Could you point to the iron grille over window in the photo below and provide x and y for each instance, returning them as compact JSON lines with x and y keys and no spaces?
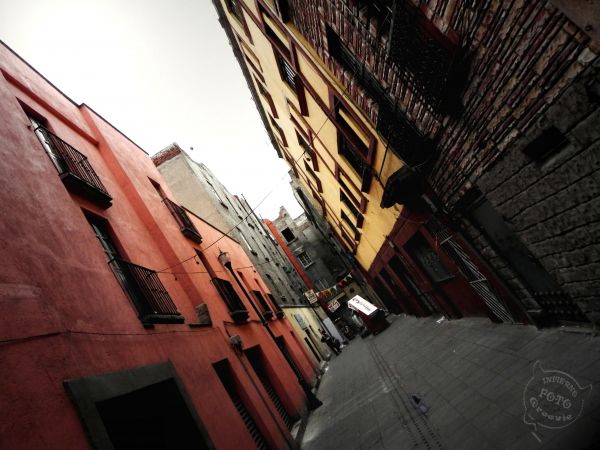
{"x":74,"y":168}
{"x":405,"y":140}
{"x":265,"y":310}
{"x":355,"y":161}
{"x":287,"y":72}
{"x":145,"y":289}
{"x":186,"y":226}
{"x":423,"y":54}
{"x":237,"y":310}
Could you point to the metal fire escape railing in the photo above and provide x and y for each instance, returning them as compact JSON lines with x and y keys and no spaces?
{"x":406,"y":43}
{"x":183,"y":220}
{"x":69,"y":161}
{"x":146,"y":291}
{"x":403,"y":137}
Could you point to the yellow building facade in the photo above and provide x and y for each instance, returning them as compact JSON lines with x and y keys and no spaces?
{"x":327,"y":140}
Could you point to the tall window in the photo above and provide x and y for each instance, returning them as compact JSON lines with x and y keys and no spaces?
{"x":141,"y":285}
{"x":287,"y":72}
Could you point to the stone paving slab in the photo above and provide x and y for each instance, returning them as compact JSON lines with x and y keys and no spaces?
{"x":471,"y":373}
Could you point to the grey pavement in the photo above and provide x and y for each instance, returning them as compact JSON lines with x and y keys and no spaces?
{"x":473,"y":378}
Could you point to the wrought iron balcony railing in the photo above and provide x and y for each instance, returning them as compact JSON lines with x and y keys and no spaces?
{"x":142,"y":285}
{"x":74,"y":168}
{"x":413,"y":48}
{"x":237,"y":309}
{"x":186,"y":226}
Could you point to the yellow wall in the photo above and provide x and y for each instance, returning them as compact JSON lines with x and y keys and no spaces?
{"x":378,"y":222}
{"x":308,"y":316}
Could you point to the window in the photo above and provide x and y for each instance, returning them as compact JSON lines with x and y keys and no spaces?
{"x":314,"y":176}
{"x":235,"y":8}
{"x":76,"y":172}
{"x":550,"y":142}
{"x":267,"y":378}
{"x":288,"y":235}
{"x":237,"y":310}
{"x":264,"y":306}
{"x":279,"y":131}
{"x":145,"y":407}
{"x":287,"y":72}
{"x":232,"y":386}
{"x":304,"y":259}
{"x":142,"y":285}
{"x":186,"y":226}
{"x":263,"y":91}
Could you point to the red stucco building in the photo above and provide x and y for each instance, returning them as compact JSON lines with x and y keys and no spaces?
{"x":118,"y":317}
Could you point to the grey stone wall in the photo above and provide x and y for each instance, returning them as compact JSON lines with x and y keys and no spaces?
{"x":554,"y":207}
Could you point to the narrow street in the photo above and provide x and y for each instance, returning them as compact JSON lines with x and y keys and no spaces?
{"x":471,"y":376}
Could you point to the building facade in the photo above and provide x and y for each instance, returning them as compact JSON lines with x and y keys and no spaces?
{"x":123,"y":324}
{"x":196,"y":187}
{"x":450,"y":145}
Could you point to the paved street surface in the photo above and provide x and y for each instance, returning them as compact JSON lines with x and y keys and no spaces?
{"x":471,"y":376}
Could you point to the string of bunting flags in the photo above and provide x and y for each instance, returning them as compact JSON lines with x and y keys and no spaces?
{"x":335,"y":289}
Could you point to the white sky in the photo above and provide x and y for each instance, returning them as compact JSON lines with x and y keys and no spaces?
{"x":160,"y":71}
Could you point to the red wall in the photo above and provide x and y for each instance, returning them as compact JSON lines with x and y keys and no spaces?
{"x":63,"y":313}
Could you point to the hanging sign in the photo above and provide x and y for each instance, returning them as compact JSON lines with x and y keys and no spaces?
{"x":359,"y":304}
{"x":311,"y":296}
{"x":333,"y":305}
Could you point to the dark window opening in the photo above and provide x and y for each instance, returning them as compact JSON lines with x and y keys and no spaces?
{"x":279,"y":131}
{"x":550,"y":142}
{"x":264,"y":306}
{"x":288,"y":235}
{"x":287,"y":72}
{"x":236,"y":307}
{"x":232,"y":387}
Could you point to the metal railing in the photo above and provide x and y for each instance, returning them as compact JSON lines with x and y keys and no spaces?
{"x":183,"y":220}
{"x":413,"y":48}
{"x":144,"y":288}
{"x":70,"y":161}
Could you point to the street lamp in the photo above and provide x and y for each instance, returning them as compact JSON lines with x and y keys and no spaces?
{"x":312,"y":402}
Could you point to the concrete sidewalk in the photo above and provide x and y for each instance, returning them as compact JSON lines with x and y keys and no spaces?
{"x":471,"y":375}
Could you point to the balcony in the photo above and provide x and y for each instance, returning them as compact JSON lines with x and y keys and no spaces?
{"x":74,"y":169}
{"x":237,"y":310}
{"x":188,"y":229}
{"x":146,"y":291}
{"x":407,"y":46}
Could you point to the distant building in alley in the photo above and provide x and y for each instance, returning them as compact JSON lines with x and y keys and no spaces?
{"x":197,"y":188}
{"x":123,"y":324}
{"x":322,"y":268}
{"x":452,"y":147}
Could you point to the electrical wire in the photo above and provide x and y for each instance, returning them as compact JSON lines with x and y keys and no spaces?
{"x":252,"y":209}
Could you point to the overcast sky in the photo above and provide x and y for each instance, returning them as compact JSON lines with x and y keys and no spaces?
{"x":160,"y":71}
